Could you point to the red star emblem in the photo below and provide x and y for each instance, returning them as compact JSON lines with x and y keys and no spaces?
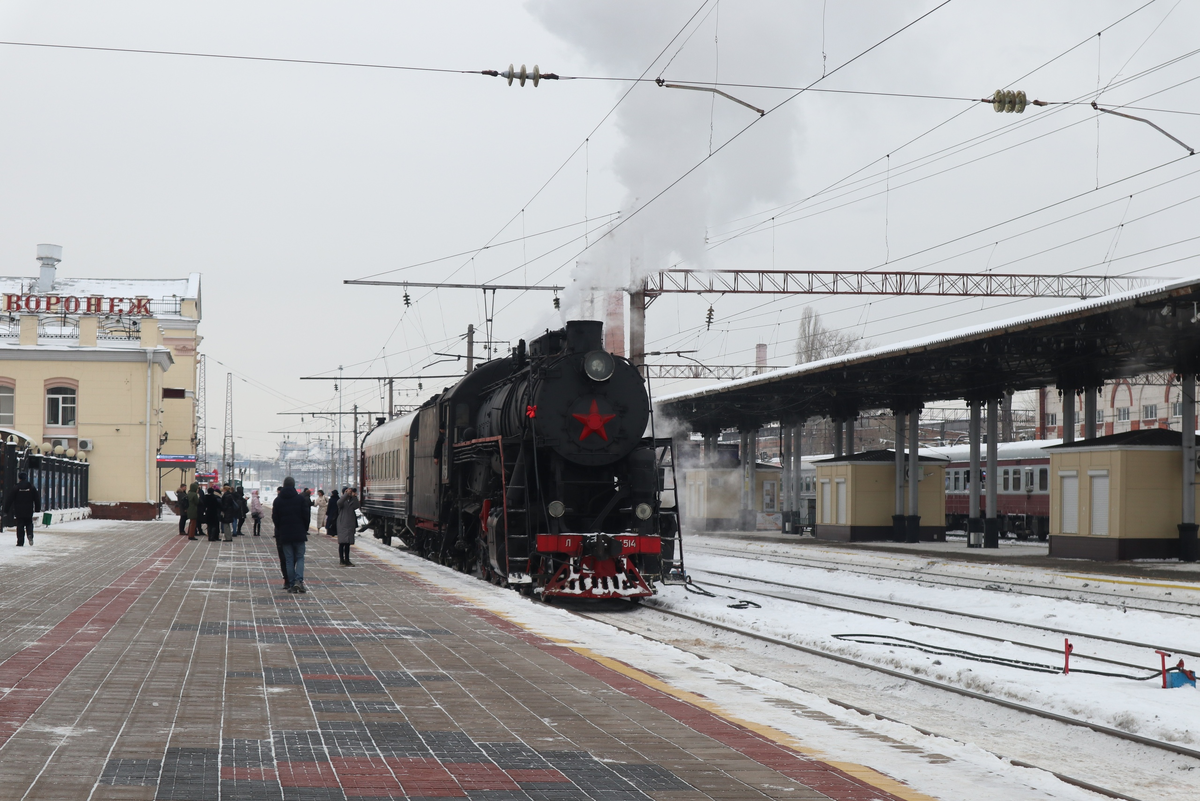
{"x":593,"y":421}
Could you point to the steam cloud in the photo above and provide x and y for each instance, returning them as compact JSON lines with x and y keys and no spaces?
{"x":664,"y":132}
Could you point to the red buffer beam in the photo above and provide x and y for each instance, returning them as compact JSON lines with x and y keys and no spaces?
{"x":834,"y":282}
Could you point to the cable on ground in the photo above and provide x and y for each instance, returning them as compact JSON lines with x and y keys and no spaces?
{"x":937,"y":650}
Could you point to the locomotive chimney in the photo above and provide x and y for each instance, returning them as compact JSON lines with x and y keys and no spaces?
{"x":614,"y":318}
{"x":585,"y":335}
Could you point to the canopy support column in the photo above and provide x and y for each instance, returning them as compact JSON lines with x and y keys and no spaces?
{"x":1188,"y":550}
{"x":913,"y":522}
{"x":749,"y":457}
{"x":799,"y":507}
{"x":850,"y":436}
{"x":1089,"y":413}
{"x":785,"y":476}
{"x":974,"y":520}
{"x":1068,"y":409}
{"x":838,"y":430}
{"x":991,"y":530}
{"x":898,"y":524}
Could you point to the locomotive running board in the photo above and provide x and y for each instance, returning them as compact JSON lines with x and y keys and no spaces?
{"x":569,"y":582}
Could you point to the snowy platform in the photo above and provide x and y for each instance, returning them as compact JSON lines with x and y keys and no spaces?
{"x":135,"y":664}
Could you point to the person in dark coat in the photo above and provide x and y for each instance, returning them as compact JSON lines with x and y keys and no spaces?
{"x":195,"y":509}
{"x":347,"y":522}
{"x":229,"y":513}
{"x":291,"y":516}
{"x":181,"y":506}
{"x":243,"y":510}
{"x":212,"y":514}
{"x":331,"y":514}
{"x":23,"y":502}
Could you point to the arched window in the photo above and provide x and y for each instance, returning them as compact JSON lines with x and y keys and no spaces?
{"x":60,"y":406}
{"x":7,"y":406}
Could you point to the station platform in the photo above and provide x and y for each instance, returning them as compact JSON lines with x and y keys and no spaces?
{"x":135,"y":664}
{"x":1028,"y":553}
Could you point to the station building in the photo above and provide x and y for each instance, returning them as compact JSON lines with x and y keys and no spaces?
{"x":856,"y":497}
{"x":103,"y":370}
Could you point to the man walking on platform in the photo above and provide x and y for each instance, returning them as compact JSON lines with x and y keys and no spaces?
{"x":23,"y":502}
{"x":290,"y":514}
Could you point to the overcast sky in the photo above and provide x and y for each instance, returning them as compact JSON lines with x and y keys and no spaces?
{"x":278,"y":181}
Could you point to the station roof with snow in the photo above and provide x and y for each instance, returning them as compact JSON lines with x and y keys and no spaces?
{"x":1078,"y":345}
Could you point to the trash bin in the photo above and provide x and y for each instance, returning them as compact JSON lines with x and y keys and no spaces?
{"x":47,"y":517}
{"x":974,"y":539}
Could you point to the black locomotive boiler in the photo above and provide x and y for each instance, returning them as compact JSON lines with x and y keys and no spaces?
{"x":535,"y":470}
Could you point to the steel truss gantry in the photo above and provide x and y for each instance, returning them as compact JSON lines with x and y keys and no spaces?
{"x":841,"y":282}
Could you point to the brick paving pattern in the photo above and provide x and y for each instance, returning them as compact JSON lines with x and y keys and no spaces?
{"x":146,"y":667}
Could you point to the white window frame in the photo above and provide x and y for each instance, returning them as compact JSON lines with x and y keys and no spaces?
{"x":1069,"y":501}
{"x":61,"y":394}
{"x":8,"y":398}
{"x":1122,"y":414}
{"x":1150,"y":411}
{"x":826,"y":502}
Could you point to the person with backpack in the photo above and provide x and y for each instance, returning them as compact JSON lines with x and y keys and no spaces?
{"x":23,"y":502}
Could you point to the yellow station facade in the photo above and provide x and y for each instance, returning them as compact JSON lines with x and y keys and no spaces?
{"x":106,"y":370}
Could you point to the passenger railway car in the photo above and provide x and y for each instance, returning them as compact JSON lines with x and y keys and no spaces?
{"x":1022,"y":486}
{"x":535,"y":470}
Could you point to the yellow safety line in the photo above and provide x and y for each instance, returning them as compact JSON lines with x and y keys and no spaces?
{"x":1137,"y":583}
{"x":863,"y":773}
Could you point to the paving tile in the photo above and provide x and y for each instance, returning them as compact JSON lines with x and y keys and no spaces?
{"x":186,"y":673}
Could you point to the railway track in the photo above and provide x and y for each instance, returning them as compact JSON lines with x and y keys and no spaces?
{"x":932,"y":577}
{"x":1056,"y":630}
{"x":646,"y":631}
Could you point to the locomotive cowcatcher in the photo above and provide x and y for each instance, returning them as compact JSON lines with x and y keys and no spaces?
{"x":534,"y":469}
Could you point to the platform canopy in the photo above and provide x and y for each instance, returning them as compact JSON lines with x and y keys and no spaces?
{"x":1074,"y":346}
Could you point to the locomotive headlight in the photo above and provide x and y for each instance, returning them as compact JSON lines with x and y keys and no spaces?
{"x":556,"y":509}
{"x":599,"y":365}
{"x":643,"y":511}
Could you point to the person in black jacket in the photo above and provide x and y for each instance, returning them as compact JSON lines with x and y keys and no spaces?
{"x":181,"y":500}
{"x":212,"y":514}
{"x":229,"y":513}
{"x":290,"y":514}
{"x":243,"y":510}
{"x":23,"y":502}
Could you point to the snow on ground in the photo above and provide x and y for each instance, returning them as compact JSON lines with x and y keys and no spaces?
{"x":941,"y":767}
{"x":50,"y":542}
{"x":1141,"y":707}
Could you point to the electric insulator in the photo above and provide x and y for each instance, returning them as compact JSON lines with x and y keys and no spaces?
{"x":522,"y":75}
{"x":1009,"y":101}
{"x":407,"y":300}
{"x":708,"y":318}
{"x":557,"y":303}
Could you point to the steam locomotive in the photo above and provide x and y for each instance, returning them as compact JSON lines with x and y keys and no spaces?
{"x":535,"y":471}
